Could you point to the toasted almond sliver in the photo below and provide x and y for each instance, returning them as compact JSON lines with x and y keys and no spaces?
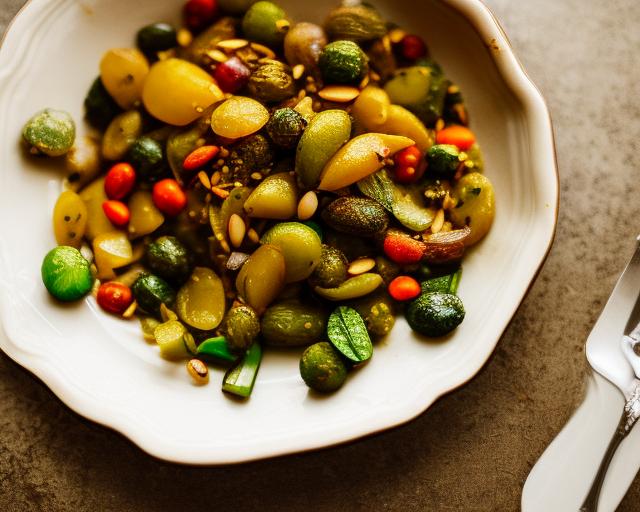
{"x":339,"y":93}
{"x":438,"y":222}
{"x":220,"y":192}
{"x":263,"y":50}
{"x":307,"y":205}
{"x":217,"y":55}
{"x":396,"y":35}
{"x":253,"y":236}
{"x":204,"y":179}
{"x":374,"y":76}
{"x":237,"y":230}
{"x":130,"y":311}
{"x":233,"y":44}
{"x":360,"y":266}
{"x":298,"y":71}
{"x":215,"y":178}
{"x":365,"y":82}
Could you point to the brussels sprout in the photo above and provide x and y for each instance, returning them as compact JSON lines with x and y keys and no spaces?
{"x":332,"y":269}
{"x":435,"y":314}
{"x":100,"y":107}
{"x":265,"y":23}
{"x":169,"y":258}
{"x":342,"y":62}
{"x":272,"y":82}
{"x":241,"y":327}
{"x":151,"y":291}
{"x":322,"y":368}
{"x":253,"y":153}
{"x":285,"y":127}
{"x":147,"y":157}
{"x":444,"y":160}
{"x":65,"y":274}
{"x":50,"y":132}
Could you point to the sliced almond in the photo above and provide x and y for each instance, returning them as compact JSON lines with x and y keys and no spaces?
{"x":220,"y":192}
{"x":237,"y":230}
{"x":263,"y":50}
{"x":217,"y":56}
{"x":438,"y":222}
{"x":297,"y":71}
{"x":339,"y":93}
{"x":232,"y":44}
{"x":204,"y":179}
{"x":360,"y":266}
{"x":130,"y":311}
{"x":253,"y":235}
{"x":215,"y":179}
{"x":307,"y":205}
{"x":365,"y":82}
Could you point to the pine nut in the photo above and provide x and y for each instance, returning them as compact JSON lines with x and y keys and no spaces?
{"x":438,"y":222}
{"x":184,"y":37}
{"x":237,"y":230}
{"x":204,"y":179}
{"x":361,"y":265}
{"x":198,"y":371}
{"x":253,"y":236}
{"x":307,"y":205}
{"x":131,"y":310}
{"x":233,"y":44}
{"x":298,"y":71}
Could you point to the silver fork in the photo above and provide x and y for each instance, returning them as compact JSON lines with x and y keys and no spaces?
{"x":618,"y":361}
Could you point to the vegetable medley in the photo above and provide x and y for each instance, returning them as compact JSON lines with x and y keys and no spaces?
{"x":259,"y":182}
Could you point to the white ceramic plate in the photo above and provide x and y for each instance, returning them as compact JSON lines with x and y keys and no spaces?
{"x":100,"y":367}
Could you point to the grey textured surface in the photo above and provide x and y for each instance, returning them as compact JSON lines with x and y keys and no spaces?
{"x":473,"y":449}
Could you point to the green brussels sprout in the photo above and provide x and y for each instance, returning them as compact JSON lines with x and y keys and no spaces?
{"x":241,"y":327}
{"x":285,"y":127}
{"x":332,"y":269}
{"x":253,"y":153}
{"x":147,"y":157}
{"x":100,"y":107}
{"x":272,"y":82}
{"x":265,"y":23}
{"x":342,"y":62}
{"x":66,"y":274}
{"x":157,"y":37}
{"x":151,"y":292}
{"x":443,"y":160}
{"x":50,"y":132}
{"x":322,"y":368}
{"x":169,"y":258}
{"x":435,"y":314}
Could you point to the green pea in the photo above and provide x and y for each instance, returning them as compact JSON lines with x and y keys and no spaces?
{"x":66,"y":274}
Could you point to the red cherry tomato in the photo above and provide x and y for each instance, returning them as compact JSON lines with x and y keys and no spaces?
{"x":169,"y":197}
{"x":117,"y":212}
{"x":456,"y":135}
{"x":404,"y":288}
{"x":232,"y":75}
{"x":409,"y":165}
{"x":199,"y":157}
{"x":412,"y":47}
{"x":119,"y":181}
{"x":114,"y":297}
{"x":200,"y":13}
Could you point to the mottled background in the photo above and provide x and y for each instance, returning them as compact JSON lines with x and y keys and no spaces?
{"x":474,"y":448}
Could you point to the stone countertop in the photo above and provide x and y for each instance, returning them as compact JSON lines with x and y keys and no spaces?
{"x":474,"y":448}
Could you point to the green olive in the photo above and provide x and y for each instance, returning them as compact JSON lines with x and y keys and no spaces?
{"x":50,"y":132}
{"x":241,"y":327}
{"x":285,"y":127}
{"x":260,"y":23}
{"x":292,"y":323}
{"x":261,"y":278}
{"x":300,"y":245}
{"x":322,"y":368}
{"x":66,"y":274}
{"x":272,"y":82}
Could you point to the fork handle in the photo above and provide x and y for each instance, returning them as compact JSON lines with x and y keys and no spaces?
{"x":590,"y":503}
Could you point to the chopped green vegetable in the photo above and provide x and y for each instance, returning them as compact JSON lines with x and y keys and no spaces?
{"x":443,"y":284}
{"x":435,"y":314}
{"x":171,"y":338}
{"x":240,"y":379}
{"x":348,"y":333}
{"x":216,"y":350}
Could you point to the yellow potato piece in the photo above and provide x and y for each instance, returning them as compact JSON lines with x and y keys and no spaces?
{"x":371,"y":108}
{"x":145,"y":217}
{"x":69,"y":219}
{"x":360,"y":157}
{"x":238,"y":117}
{"x":200,"y":302}
{"x":261,"y":278}
{"x":400,"y":121}
{"x":476,"y":205}
{"x":93,"y":196}
{"x":123,"y":72}
{"x":178,"y":92}
{"x":111,"y":250}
